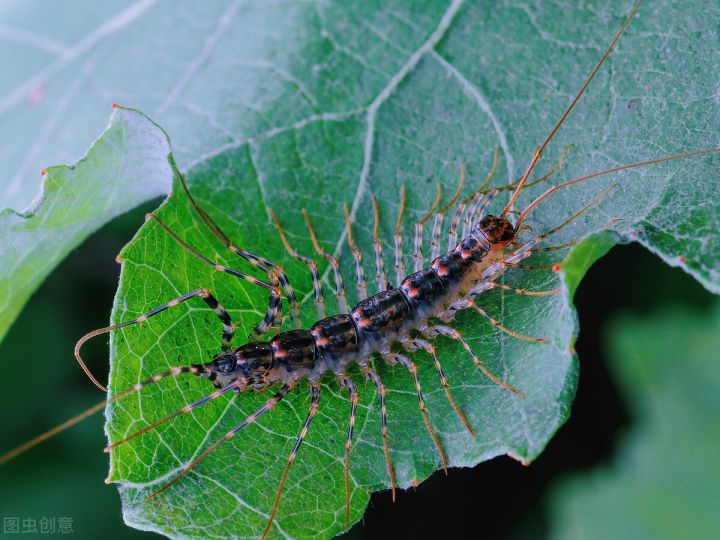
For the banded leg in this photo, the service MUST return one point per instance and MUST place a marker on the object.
(524, 292)
(375, 378)
(431, 332)
(392, 358)
(346, 382)
(418, 238)
(204, 294)
(360, 281)
(340, 295)
(452, 234)
(274, 311)
(399, 260)
(414, 344)
(468, 302)
(314, 400)
(437, 227)
(258, 262)
(237, 384)
(380, 278)
(312, 267)
(269, 404)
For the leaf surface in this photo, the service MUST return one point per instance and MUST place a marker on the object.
(342, 103)
(126, 166)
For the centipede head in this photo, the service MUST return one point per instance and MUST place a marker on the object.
(251, 365)
(498, 230)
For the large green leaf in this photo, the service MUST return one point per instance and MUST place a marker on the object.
(126, 166)
(663, 482)
(363, 99)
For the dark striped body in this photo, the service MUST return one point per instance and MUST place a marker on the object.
(331, 344)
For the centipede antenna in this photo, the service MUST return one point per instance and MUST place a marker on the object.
(570, 107)
(435, 204)
(553, 189)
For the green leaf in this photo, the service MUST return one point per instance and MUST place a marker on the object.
(363, 99)
(127, 165)
(663, 482)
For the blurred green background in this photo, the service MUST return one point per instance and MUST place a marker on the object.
(632, 307)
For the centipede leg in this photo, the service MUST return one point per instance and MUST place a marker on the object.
(204, 294)
(418, 238)
(468, 302)
(360, 281)
(431, 332)
(375, 378)
(318, 297)
(340, 295)
(269, 404)
(258, 262)
(184, 410)
(274, 310)
(523, 292)
(314, 400)
(415, 343)
(399, 265)
(392, 358)
(380, 278)
(346, 382)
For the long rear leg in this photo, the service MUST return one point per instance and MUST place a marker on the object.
(393, 358)
(204, 294)
(196, 369)
(375, 378)
(269, 404)
(314, 400)
(258, 262)
(346, 382)
(274, 310)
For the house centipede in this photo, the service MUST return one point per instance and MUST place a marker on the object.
(411, 314)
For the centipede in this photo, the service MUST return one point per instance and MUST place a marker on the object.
(383, 328)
